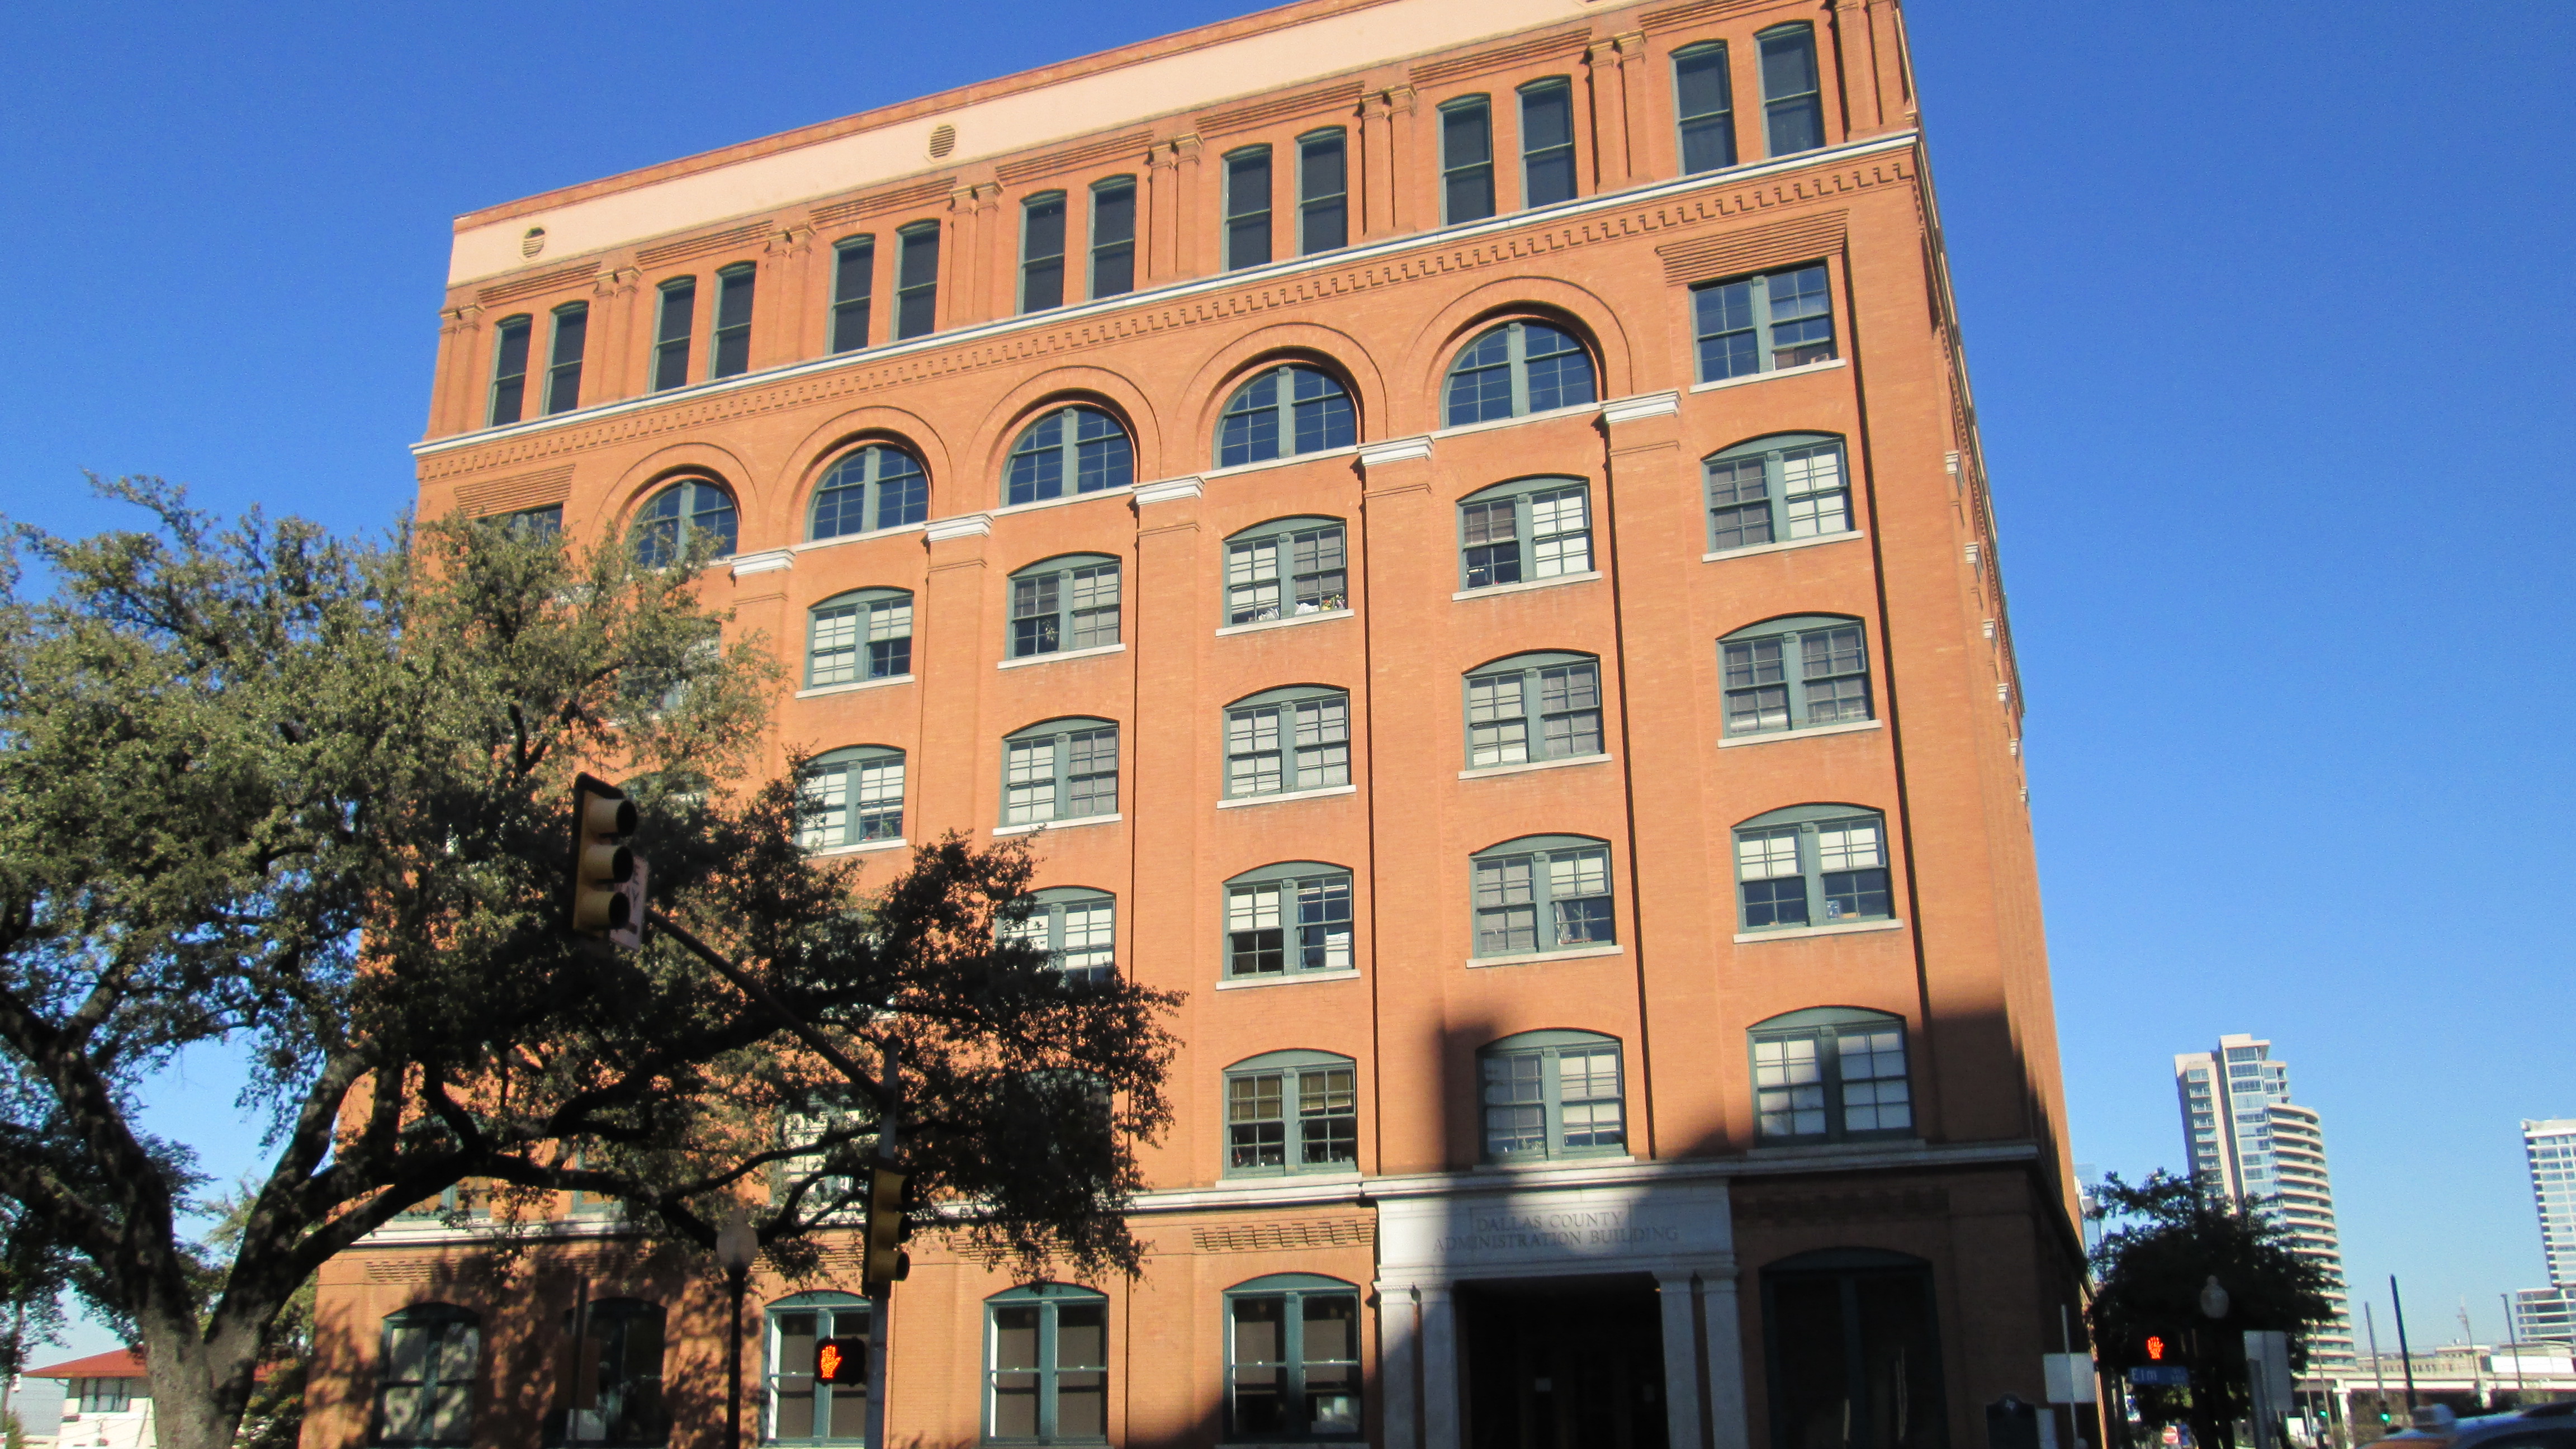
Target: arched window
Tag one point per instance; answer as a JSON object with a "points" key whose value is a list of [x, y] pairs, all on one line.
{"points": [[1284, 411], [1780, 489], [1550, 1094], [1830, 1073], [1285, 741], [1533, 707], [871, 488], [1854, 1356], [853, 797], [1543, 893], [1064, 604], [1292, 1111], [673, 520], [1704, 104], [1793, 106], [802, 1408], [1517, 369], [1286, 568], [1292, 1359], [1064, 769], [860, 636], [1286, 920], [1795, 674], [1046, 1361], [1077, 928], [425, 1380], [510, 368], [619, 1375], [1082, 446], [1547, 142], [1812, 865], [1524, 531]]}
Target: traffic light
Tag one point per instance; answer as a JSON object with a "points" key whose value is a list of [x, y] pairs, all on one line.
{"points": [[841, 1361], [886, 1263], [608, 878]]}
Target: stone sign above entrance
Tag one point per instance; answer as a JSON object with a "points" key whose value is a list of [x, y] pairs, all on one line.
{"points": [[1629, 1228]]}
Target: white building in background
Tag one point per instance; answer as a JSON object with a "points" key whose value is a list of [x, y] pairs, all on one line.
{"points": [[107, 1401], [2549, 1314], [2244, 1136]]}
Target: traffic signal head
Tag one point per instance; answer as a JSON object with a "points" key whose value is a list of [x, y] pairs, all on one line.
{"points": [[886, 1263], [608, 878]]}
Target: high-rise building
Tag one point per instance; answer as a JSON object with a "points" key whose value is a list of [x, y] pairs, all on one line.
{"points": [[2246, 1138], [1462, 523], [2549, 1148]]}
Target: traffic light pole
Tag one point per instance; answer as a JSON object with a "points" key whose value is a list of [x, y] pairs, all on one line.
{"points": [[881, 1296]]}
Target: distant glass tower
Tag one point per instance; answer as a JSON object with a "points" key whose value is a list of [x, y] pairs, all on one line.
{"points": [[2244, 1137], [2550, 1313]]}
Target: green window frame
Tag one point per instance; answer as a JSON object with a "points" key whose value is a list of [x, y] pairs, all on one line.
{"points": [[1283, 741], [1288, 919], [1794, 674], [1077, 929], [1547, 142], [1046, 1365], [1779, 489], [1288, 567], [1524, 531], [1291, 1112], [869, 489], [1541, 894], [563, 357], [854, 285], [858, 636], [545, 522], [850, 797], [1763, 323], [1063, 769], [1292, 1359], [916, 280], [1549, 1095], [1113, 236], [425, 1377], [1042, 224], [677, 515], [797, 1409], [510, 368], [1831, 1074], [1064, 603], [1533, 707], [1323, 192], [1080, 445], [454, 1200], [1247, 207], [1812, 865], [675, 320], [1285, 411], [1704, 106], [729, 352], [1514, 370], [622, 1342], [1466, 160], [1793, 102]]}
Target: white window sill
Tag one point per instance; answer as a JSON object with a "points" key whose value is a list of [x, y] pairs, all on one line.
{"points": [[1286, 796], [1527, 584], [1530, 958], [862, 848], [1798, 933], [1000, 831], [1773, 737], [1490, 424], [1287, 978], [1828, 365], [1058, 657], [811, 544], [852, 687], [1292, 1174], [1007, 509], [1830, 1149], [1587, 1160], [1291, 459], [1750, 549], [1317, 617], [1491, 771]]}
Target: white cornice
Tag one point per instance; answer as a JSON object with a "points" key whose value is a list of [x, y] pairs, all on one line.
{"points": [[969, 525], [1172, 491], [1394, 450]]}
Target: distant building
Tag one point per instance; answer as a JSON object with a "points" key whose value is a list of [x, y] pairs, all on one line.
{"points": [[2544, 1315], [107, 1401], [2550, 1148], [2244, 1137]]}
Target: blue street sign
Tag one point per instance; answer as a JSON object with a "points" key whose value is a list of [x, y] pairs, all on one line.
{"points": [[2166, 1375]]}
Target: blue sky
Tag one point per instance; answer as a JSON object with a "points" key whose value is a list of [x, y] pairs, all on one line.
{"points": [[2270, 320]]}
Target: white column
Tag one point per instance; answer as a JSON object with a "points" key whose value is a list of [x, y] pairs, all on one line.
{"points": [[1398, 1328], [1681, 1361], [1439, 1369], [1726, 1408]]}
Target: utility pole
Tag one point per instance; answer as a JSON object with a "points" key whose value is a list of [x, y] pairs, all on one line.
{"points": [[2513, 1344], [2405, 1355], [2378, 1366]]}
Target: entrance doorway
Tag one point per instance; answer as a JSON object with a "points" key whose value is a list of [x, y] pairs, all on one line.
{"points": [[1557, 1366], [1854, 1355]]}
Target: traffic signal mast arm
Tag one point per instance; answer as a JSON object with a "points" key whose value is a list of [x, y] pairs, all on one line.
{"points": [[751, 987]]}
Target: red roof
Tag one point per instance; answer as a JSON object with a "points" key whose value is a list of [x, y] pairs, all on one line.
{"points": [[124, 1363]]}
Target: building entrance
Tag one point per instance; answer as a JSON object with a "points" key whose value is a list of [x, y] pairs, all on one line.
{"points": [[1558, 1367]]}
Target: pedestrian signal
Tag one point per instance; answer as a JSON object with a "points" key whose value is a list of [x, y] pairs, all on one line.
{"points": [[2155, 1348], [840, 1360]]}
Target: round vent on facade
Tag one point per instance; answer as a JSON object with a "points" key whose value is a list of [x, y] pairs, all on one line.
{"points": [[943, 139], [534, 242]]}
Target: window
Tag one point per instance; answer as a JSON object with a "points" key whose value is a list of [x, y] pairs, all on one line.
{"points": [[1287, 740], [1466, 160], [1536, 528], [1047, 1365], [679, 315], [425, 1383], [1812, 865], [731, 356], [621, 1368], [509, 370], [1791, 674], [1292, 1358], [872, 488], [546, 522], [1064, 769], [1042, 252], [1852, 1352], [1286, 567], [1076, 929], [854, 281], [853, 797], [1247, 207], [861, 636], [563, 363], [1323, 193], [1533, 707], [1070, 602], [1830, 1073], [1302, 406], [1704, 102], [1792, 102], [673, 520], [1113, 236], [1284, 919], [1550, 1094], [1763, 324], [116, 1396], [1294, 1111], [1514, 370], [1082, 444], [802, 1410], [1547, 142], [1777, 490], [916, 282], [1543, 893]]}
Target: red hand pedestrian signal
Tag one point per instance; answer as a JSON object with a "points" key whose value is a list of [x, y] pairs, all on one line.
{"points": [[2155, 1349], [840, 1360], [827, 1363]]}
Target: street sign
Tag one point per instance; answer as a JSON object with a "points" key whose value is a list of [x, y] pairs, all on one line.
{"points": [[2163, 1375], [2069, 1377]]}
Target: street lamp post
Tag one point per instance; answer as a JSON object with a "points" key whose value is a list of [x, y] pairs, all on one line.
{"points": [[736, 1247]]}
